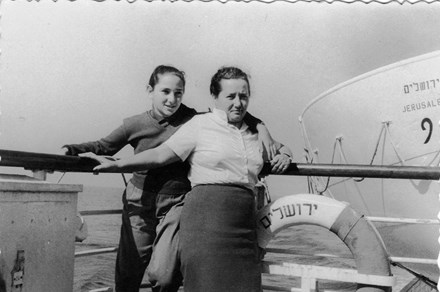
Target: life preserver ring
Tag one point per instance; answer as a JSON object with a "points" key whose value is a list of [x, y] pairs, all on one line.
{"points": [[354, 230], [81, 231]]}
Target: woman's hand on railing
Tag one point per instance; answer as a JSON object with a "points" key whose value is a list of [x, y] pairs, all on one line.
{"points": [[280, 163], [105, 162]]}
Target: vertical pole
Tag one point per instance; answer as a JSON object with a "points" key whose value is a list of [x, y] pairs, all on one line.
{"points": [[308, 284], [39, 174]]}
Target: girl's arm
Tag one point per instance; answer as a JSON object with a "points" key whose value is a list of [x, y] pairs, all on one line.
{"points": [[148, 159], [108, 145]]}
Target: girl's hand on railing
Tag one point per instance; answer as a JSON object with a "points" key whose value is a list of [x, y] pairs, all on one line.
{"points": [[63, 151], [105, 162]]}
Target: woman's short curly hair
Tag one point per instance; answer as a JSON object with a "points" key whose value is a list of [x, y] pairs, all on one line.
{"points": [[226, 73]]}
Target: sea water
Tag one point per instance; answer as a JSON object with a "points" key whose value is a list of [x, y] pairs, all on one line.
{"points": [[97, 271]]}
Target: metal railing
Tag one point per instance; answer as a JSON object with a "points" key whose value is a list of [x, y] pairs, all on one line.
{"points": [[291, 251], [63, 163], [38, 162]]}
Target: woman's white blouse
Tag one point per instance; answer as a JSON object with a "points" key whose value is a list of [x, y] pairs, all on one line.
{"points": [[218, 152]]}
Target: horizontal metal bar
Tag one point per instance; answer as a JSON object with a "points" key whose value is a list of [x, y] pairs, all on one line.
{"points": [[361, 171], [403, 220], [282, 251], [48, 162], [95, 251], [277, 288], [105, 289], [370, 218], [52, 162], [110, 289], [414, 260], [265, 288], [301, 252], [326, 273], [100, 212], [392, 258]]}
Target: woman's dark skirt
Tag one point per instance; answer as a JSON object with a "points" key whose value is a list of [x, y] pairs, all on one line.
{"points": [[218, 243]]}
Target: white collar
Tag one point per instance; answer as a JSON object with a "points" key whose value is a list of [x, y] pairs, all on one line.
{"points": [[223, 117], [220, 114]]}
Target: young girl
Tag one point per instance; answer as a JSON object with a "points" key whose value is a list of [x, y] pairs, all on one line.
{"points": [[150, 194]]}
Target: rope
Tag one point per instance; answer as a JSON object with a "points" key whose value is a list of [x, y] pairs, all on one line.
{"points": [[342, 153], [125, 181], [387, 127], [316, 184], [425, 279], [61, 177], [435, 157], [308, 159], [401, 160], [312, 181], [377, 144], [344, 158], [333, 159]]}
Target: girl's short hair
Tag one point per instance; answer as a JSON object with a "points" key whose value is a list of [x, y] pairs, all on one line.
{"points": [[226, 73], [164, 69]]}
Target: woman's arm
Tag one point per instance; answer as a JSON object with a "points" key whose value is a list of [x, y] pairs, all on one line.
{"points": [[283, 149], [148, 159], [266, 140], [282, 159], [264, 137]]}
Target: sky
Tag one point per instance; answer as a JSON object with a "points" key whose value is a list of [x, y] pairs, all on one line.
{"points": [[71, 71]]}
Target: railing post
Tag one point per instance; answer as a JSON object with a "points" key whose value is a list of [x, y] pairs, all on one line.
{"points": [[39, 174], [308, 284], [37, 231]]}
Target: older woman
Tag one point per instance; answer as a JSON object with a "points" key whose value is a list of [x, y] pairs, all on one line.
{"points": [[218, 243]]}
